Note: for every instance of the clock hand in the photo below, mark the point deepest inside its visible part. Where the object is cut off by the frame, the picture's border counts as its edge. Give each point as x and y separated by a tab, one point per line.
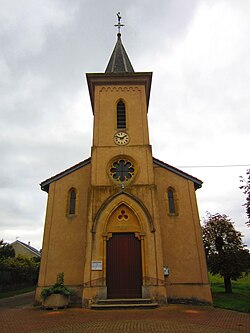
119	136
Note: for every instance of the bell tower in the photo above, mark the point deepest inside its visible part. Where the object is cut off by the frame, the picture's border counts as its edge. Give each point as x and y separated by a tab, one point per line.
119	99
122	178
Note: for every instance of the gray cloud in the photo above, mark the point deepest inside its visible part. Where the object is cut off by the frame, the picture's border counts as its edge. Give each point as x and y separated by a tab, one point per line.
199	107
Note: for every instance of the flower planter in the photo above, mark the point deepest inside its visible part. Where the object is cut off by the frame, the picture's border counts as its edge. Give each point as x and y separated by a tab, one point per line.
56	301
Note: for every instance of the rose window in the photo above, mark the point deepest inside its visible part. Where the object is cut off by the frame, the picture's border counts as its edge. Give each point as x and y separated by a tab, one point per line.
122	170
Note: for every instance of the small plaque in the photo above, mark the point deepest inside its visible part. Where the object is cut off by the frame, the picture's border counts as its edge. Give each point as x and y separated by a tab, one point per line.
96	265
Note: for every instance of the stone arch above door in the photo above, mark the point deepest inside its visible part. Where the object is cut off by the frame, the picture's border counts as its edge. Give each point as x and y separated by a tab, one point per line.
135	206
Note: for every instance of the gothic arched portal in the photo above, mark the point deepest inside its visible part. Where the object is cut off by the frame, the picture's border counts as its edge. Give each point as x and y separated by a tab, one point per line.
123	227
123	254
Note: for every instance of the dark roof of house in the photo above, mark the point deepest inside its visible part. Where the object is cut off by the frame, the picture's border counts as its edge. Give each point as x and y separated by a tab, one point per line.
31	248
45	184
119	61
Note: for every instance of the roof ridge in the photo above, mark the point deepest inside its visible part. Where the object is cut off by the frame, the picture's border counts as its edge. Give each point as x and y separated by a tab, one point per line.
197	182
45	184
31	248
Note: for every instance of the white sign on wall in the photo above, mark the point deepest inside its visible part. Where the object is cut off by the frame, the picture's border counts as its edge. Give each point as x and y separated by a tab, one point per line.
96	265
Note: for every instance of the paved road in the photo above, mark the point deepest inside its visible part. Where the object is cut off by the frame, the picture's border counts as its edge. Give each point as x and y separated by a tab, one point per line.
19	301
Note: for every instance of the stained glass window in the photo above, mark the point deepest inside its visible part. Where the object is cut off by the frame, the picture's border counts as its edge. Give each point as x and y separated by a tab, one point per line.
122	170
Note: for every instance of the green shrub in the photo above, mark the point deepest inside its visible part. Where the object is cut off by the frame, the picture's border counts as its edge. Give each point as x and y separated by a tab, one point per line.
57	288
18	270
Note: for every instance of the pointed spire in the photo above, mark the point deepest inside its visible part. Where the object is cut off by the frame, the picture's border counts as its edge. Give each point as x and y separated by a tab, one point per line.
119	61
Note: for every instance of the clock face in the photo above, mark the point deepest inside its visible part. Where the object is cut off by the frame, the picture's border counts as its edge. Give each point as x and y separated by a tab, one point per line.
121	138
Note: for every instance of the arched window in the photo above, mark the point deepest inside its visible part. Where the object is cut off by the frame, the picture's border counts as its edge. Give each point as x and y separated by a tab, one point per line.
121	115
171	201
72	202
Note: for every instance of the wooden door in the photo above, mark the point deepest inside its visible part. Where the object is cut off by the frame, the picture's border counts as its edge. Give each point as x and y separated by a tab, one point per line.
124	271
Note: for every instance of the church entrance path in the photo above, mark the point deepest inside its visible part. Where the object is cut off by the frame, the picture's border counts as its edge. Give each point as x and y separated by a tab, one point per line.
172	318
124	267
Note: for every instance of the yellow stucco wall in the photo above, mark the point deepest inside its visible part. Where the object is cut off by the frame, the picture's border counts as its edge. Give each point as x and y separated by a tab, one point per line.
104	149
182	247
65	236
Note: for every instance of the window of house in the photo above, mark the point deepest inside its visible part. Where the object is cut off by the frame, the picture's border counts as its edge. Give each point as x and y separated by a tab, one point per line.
72	202
171	201
121	115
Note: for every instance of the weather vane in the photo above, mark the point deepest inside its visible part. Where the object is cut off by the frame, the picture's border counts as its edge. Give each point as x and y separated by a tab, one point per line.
119	25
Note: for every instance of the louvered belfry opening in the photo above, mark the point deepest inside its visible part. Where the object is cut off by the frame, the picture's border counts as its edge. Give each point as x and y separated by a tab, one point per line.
121	115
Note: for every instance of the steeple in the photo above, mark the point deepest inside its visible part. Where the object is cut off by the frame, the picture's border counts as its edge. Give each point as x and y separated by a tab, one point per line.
119	61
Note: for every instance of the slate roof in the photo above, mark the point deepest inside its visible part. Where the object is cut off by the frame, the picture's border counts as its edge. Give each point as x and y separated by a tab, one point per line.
45	184
30	248
119	61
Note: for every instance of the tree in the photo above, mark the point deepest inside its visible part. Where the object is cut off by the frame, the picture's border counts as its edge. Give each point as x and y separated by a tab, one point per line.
20	270
15	271
6	250
224	249
246	190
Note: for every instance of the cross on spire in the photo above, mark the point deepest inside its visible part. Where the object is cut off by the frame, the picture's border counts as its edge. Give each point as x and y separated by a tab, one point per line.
119	25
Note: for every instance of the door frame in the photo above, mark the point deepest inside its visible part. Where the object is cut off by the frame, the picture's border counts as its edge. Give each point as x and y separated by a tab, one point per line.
135	292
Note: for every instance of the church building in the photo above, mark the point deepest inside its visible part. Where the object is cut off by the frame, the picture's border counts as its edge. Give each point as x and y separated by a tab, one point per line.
123	224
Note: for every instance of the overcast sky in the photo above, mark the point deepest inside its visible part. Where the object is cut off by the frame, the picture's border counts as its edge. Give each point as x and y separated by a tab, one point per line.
198	51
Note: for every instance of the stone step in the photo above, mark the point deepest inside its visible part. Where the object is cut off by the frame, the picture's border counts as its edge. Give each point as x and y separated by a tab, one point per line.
125	301
134	303
123	306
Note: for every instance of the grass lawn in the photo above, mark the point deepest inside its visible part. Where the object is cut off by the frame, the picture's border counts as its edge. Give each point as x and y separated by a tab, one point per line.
239	300
16	292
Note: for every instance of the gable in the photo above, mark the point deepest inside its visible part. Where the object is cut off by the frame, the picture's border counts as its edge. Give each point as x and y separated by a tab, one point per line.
197	182
25	249
45	184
